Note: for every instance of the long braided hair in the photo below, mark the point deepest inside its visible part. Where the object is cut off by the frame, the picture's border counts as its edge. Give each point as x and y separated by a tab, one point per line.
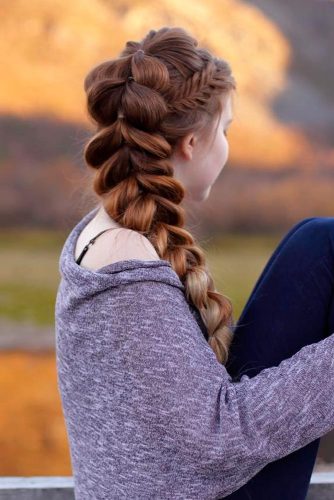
142	103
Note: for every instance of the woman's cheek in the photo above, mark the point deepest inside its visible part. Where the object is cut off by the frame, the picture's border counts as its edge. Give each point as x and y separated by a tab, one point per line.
222	155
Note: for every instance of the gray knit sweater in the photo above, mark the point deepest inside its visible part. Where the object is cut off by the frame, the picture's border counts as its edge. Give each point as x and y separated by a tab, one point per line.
150	413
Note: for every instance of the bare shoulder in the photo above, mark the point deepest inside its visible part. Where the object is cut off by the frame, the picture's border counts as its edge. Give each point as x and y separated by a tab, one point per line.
129	244
117	245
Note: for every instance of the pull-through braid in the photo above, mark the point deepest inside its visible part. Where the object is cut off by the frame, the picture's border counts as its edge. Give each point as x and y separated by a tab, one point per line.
142	103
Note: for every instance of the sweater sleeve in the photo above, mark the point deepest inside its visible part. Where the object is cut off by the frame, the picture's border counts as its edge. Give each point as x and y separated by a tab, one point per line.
221	430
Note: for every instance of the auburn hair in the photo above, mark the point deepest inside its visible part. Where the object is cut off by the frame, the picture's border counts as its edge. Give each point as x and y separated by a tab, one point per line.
143	102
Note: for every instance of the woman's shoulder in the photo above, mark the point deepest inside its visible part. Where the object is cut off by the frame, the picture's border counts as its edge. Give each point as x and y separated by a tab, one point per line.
114	245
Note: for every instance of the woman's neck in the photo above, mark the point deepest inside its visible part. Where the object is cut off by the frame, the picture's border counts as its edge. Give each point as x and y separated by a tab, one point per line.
103	218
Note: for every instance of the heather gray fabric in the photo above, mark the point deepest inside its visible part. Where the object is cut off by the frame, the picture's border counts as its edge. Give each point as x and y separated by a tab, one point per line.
149	411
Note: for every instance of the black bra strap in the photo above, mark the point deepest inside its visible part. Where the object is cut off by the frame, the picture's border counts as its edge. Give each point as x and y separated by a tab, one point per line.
91	242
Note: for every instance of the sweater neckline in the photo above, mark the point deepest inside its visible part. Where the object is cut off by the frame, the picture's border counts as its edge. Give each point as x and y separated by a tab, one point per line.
124	271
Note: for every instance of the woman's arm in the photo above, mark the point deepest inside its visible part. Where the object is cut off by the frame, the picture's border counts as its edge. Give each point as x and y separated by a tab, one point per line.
220	432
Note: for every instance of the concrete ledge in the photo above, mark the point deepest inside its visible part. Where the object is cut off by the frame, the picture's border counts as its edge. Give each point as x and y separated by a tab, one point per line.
321	486
36	488
61	487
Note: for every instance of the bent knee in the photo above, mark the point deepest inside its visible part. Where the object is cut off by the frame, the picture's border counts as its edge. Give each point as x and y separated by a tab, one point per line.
315	231
320	222
311	240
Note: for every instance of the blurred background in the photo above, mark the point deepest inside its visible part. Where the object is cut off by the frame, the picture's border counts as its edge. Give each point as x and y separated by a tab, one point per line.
280	169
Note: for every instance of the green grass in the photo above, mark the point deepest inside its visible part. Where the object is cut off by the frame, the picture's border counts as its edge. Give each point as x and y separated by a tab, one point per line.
29	274
236	261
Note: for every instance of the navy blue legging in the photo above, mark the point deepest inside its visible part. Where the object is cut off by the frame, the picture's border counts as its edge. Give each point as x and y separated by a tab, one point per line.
290	306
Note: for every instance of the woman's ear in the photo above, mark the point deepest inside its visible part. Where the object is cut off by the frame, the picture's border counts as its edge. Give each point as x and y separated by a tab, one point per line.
186	146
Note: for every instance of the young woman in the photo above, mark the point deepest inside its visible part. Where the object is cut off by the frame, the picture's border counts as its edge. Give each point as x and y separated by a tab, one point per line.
163	395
